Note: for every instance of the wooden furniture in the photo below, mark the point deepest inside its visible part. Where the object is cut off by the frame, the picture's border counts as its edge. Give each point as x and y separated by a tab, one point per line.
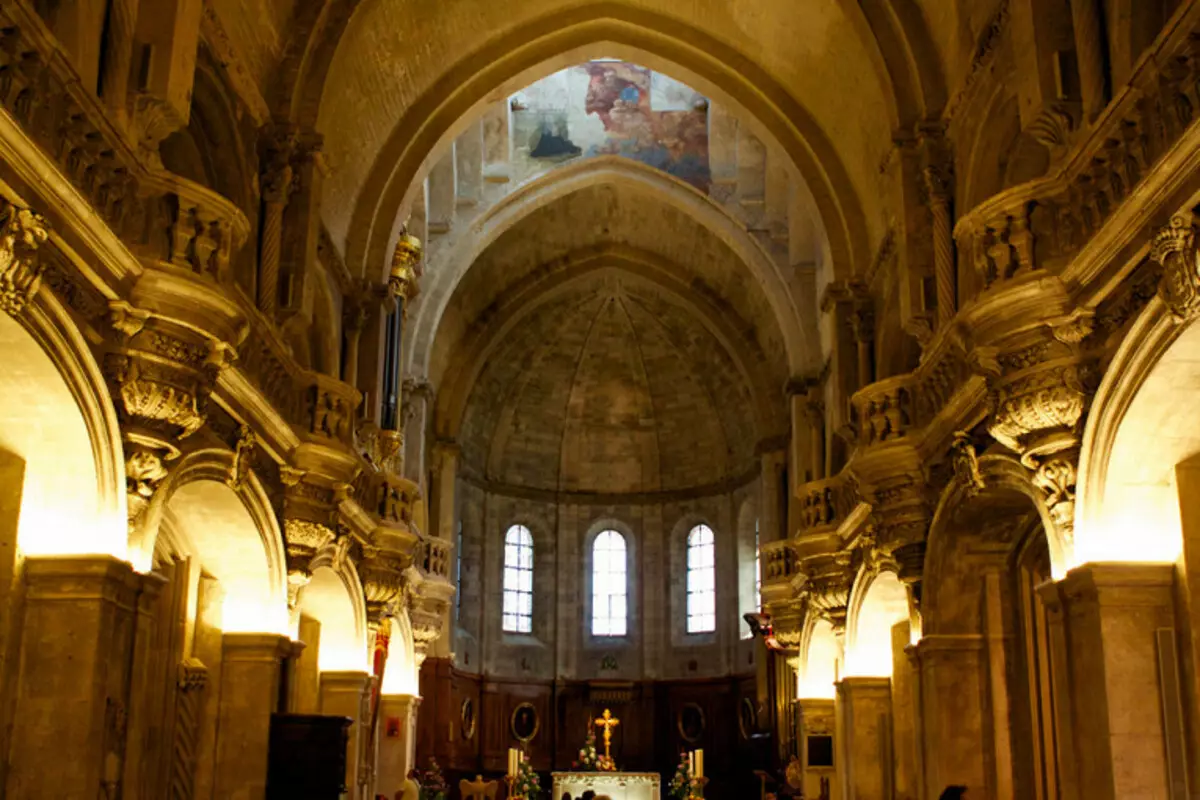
307	757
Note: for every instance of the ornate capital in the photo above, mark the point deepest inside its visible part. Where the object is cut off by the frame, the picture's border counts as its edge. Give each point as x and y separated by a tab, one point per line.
383	581
22	233
1038	400
862	324
1175	250
827	587
279	147
1055	476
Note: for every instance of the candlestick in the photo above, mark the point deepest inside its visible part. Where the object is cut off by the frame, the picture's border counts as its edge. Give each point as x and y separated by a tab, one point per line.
700	763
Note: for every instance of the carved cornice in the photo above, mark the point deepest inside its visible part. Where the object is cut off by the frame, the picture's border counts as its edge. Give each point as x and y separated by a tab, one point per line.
827	587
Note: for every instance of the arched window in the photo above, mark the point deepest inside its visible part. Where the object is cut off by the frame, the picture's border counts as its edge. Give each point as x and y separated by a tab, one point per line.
518	580
701	581
609	602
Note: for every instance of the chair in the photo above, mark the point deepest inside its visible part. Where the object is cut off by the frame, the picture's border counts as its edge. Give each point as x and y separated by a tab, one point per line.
477	789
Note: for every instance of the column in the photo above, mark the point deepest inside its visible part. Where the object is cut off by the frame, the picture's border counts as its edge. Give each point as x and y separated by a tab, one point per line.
276	186
115	75
446	478
800	453
72	677
862	324
496	157
169	30
249	694
865	717
937	191
397	742
905	778
468	161
953	687
344	694
442	187
1116	618
1089	50
816	422
770	522
307	675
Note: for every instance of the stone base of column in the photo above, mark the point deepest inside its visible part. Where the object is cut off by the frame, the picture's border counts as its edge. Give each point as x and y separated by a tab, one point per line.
72	676
1112	615
250	669
818	723
397	742
865	725
343	695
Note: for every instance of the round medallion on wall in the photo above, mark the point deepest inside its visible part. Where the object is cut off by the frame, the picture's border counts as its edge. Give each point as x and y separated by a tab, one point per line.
691	723
747	718
466	718
524	722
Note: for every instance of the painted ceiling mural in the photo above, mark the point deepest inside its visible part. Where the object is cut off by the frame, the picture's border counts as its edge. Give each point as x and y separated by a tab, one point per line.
606	107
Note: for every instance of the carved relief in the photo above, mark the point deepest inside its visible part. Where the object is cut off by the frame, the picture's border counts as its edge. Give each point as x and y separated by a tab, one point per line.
966	464
243	457
22	233
1175	251
191	685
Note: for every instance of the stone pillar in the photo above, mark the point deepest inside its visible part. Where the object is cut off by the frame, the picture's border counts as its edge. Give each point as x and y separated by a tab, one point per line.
445	476
397	741
354	318
496	157
770	524
276	186
468	161
865	722
72	677
815	410
1114	615
1089	50
905	778
818	719
800	453
345	694
416	410
302	230
307	674
442	187
249	694
170	32
115	75
953	688
862	323
937	191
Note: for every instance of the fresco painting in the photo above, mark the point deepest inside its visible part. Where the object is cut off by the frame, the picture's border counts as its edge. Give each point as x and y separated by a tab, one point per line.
612	108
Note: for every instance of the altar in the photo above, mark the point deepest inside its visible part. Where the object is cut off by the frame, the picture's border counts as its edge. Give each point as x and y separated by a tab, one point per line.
617	785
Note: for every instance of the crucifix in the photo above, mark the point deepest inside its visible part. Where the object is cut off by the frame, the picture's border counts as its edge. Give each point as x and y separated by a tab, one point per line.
608	722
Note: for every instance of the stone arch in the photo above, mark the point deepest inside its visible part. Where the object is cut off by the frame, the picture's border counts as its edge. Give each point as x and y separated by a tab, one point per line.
59	422
232	531
1139	427
820	660
663	44
984	522
878	601
334	597
427	312
452	400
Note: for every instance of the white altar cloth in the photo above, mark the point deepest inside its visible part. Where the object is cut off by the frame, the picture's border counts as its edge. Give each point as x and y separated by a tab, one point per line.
617	785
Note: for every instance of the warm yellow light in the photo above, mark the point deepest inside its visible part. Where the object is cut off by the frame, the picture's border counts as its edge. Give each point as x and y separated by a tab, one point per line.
869	653
1139	523
60	524
819	673
246	615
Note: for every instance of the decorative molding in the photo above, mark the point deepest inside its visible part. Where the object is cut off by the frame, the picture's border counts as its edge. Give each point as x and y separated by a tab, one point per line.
22	233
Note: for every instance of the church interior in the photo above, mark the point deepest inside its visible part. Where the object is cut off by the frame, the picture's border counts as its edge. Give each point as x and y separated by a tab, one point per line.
647	398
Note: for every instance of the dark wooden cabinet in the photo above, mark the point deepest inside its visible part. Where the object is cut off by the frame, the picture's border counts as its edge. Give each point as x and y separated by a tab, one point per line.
307	757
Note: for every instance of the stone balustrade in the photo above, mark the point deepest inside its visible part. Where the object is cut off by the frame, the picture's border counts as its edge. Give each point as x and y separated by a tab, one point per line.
437	559
205	230
779	562
825	503
882	411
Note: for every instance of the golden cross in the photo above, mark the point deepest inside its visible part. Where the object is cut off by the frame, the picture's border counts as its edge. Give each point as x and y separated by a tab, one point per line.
608	722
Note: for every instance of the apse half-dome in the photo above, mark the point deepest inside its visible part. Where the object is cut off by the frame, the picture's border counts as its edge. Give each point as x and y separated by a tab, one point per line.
612	387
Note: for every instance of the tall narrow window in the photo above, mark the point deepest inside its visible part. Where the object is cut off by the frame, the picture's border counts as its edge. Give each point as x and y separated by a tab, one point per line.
518	580
609	602
701	581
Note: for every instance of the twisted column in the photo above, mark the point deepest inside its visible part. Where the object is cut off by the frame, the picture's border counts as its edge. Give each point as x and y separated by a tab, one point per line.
943	244
276	186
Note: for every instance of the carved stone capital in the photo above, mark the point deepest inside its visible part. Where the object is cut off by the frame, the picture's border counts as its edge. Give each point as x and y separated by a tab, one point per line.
383	581
1175	250
278	149
1038	401
1055	477
153	120
22	233
829	579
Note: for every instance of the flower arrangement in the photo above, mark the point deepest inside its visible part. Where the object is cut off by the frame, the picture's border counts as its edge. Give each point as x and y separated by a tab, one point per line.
433	783
590	759
526	783
683	785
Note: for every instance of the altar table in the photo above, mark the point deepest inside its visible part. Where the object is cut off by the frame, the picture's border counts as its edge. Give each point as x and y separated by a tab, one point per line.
617	785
